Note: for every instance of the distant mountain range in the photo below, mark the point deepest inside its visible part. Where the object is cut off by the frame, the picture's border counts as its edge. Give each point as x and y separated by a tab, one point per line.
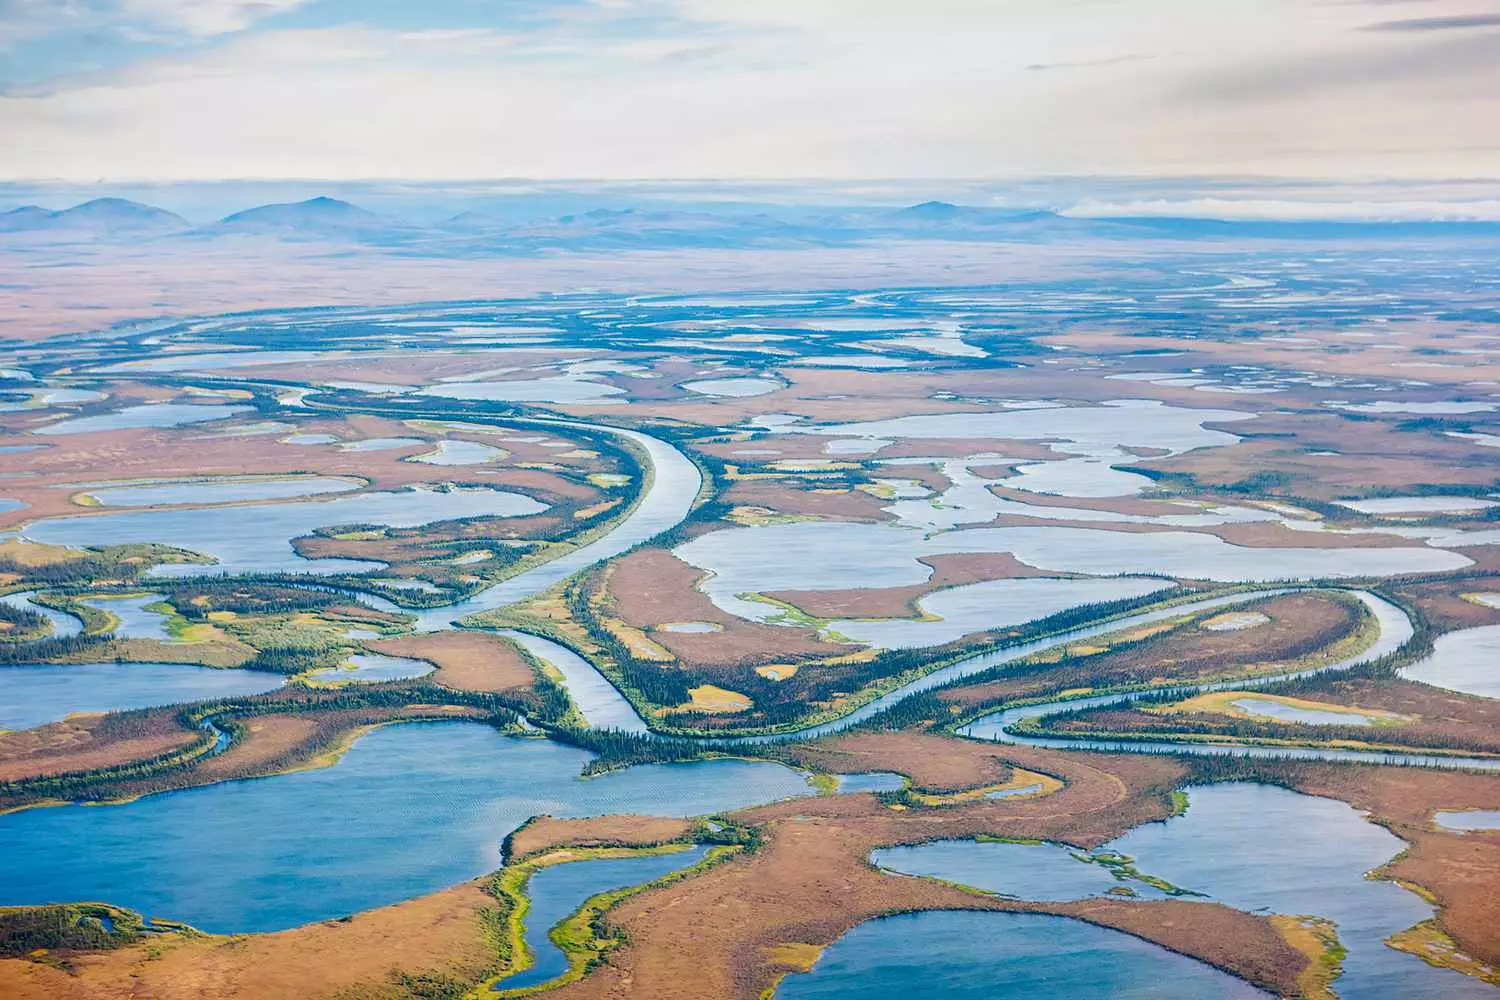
102	216
475	232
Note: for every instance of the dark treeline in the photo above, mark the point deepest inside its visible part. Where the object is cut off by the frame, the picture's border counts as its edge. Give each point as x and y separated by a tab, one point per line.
51	648
22	621
83	570
195	599
616	749
172	769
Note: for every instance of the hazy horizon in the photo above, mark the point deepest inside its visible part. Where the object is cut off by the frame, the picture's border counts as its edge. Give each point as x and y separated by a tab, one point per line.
178	90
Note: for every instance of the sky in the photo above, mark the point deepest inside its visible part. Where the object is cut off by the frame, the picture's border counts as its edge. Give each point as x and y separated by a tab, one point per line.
448	90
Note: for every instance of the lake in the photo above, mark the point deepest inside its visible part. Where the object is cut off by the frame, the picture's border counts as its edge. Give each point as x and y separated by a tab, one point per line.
409	810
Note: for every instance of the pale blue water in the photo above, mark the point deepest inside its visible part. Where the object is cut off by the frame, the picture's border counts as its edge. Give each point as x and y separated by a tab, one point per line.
370	668
1254	847
1257	847
1467	661
411	809
147	415
35	694
62	625
733	387
599	702
382	444
135	622
206	491
1003	956
872	781
557	892
456	452
259	539
1469	819
1026	871
1292	713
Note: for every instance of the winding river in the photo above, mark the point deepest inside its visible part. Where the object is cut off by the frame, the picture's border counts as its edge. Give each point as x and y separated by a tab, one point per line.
672	484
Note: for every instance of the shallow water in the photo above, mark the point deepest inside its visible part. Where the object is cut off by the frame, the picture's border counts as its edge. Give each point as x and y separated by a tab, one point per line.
873	781
1122	423
1468	819
1467	661
52	397
217	361
1417	505
1231	844
812	555
211	491
733	387
372	668
955	612
1078	477
1308	716
250	539
63	625
553	389
558	891
35	694
1050	872
454	452
133	620
382	444
410	809
147	415
1396	406
1003	956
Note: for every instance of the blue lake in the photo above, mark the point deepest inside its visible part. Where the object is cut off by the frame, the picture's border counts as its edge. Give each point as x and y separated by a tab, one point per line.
35	694
409	810
1003	956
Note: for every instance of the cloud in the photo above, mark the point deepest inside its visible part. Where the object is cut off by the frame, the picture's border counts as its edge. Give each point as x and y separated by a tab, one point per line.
203	18
1457	22
1342	210
851	89
1089	63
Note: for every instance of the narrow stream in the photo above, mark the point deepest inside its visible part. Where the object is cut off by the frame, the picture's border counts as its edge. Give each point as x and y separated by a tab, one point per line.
1395	630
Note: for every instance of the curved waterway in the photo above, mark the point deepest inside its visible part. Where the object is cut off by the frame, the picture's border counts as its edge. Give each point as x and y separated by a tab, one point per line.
557	892
672	485
409	810
61	625
1395	630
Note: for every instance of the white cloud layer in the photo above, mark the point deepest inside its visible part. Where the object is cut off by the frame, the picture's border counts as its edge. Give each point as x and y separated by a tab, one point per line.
787	88
204	18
